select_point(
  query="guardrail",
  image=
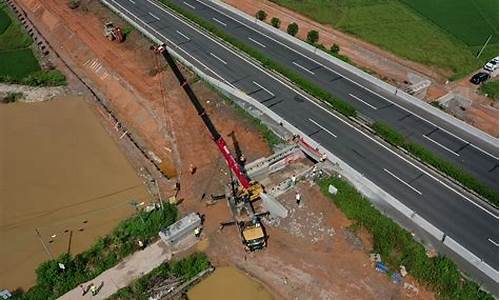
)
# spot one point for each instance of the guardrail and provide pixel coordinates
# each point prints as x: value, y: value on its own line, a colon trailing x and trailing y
x: 384, y: 86
x: 365, y: 186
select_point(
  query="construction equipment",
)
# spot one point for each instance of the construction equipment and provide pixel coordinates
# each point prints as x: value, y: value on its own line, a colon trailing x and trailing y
x: 251, y: 229
x: 112, y: 32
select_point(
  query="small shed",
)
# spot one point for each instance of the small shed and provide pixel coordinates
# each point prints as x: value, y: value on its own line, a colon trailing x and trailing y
x: 180, y: 229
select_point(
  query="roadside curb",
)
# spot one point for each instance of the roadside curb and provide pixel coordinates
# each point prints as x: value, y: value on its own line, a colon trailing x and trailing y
x: 385, y: 87
x: 378, y: 196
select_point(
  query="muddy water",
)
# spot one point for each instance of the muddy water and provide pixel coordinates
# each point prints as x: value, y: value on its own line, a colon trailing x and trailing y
x: 60, y: 174
x: 227, y: 283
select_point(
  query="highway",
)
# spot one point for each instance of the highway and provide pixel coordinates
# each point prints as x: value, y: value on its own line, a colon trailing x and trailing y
x: 478, y: 158
x: 449, y: 210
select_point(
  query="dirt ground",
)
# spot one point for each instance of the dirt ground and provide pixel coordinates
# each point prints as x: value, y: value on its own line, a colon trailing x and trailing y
x: 483, y: 112
x: 334, y: 265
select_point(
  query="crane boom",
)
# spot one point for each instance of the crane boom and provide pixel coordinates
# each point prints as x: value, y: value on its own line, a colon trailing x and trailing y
x: 218, y: 139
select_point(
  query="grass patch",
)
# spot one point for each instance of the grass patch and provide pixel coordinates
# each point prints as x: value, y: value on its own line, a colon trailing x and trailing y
x: 104, y: 254
x: 397, y: 139
x: 397, y: 247
x: 13, y: 36
x: 5, y: 21
x: 344, y: 107
x: 185, y: 268
x: 17, y: 64
x: 446, y: 35
x: 490, y: 89
x: 313, y: 89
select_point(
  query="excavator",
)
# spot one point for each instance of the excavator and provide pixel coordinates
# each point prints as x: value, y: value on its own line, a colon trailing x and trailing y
x: 243, y: 192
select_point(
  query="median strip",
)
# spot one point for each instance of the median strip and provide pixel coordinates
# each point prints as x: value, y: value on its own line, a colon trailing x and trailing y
x: 341, y: 106
x: 398, y: 140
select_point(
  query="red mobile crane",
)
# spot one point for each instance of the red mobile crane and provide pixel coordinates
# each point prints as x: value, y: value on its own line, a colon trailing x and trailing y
x: 251, y: 229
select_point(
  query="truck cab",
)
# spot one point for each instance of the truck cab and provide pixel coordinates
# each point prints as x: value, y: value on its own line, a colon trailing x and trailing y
x: 253, y: 235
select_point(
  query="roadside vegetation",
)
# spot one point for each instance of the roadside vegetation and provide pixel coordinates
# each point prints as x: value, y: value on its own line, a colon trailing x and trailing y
x: 107, y: 251
x: 185, y: 269
x: 490, y: 89
x: 346, y: 108
x: 343, y: 107
x: 397, y: 139
x: 397, y: 246
x: 18, y: 64
x: 447, y: 35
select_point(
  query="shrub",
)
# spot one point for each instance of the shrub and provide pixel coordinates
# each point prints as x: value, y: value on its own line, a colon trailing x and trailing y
x: 185, y: 269
x: 12, y: 97
x: 397, y: 247
x: 276, y: 22
x: 312, y: 37
x: 105, y: 253
x: 45, y: 78
x: 334, y: 49
x: 73, y: 4
x: 261, y: 15
x: 292, y: 29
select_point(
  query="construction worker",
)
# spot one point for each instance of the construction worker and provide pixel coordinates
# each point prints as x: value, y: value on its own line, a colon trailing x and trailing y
x: 192, y: 169
x: 297, y: 198
x: 93, y: 289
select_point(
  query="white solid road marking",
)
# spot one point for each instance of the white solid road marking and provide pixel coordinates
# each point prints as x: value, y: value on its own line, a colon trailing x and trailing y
x: 269, y: 92
x: 189, y: 5
x: 183, y: 35
x: 335, y: 72
x: 303, y: 68
x: 402, y: 181
x: 131, y: 1
x: 363, y: 101
x: 257, y: 42
x: 493, y: 242
x: 154, y: 16
x: 220, y: 22
x: 297, y: 91
x: 442, y: 146
x: 316, y: 123
x: 169, y: 41
x: 220, y: 59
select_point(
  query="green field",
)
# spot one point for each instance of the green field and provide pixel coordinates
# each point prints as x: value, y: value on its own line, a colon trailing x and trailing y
x: 16, y: 58
x: 18, y: 63
x: 445, y: 33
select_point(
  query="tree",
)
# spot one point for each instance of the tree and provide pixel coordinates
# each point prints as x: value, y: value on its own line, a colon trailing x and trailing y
x: 261, y: 15
x: 335, y: 49
x: 312, y: 37
x: 292, y: 29
x: 276, y: 22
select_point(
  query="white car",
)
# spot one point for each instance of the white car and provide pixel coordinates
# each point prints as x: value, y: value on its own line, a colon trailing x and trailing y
x: 492, y: 65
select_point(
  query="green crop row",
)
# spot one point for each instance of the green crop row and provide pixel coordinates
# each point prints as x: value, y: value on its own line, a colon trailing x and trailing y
x: 52, y: 282
x: 397, y: 246
x: 342, y: 107
x: 397, y: 139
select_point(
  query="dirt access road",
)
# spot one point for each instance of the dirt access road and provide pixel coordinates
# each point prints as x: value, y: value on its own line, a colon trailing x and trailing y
x: 482, y: 113
x: 126, y: 75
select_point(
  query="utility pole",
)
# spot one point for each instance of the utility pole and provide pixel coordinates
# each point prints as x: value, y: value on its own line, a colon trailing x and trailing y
x: 159, y: 193
x: 43, y: 244
x: 484, y: 46
x: 136, y: 206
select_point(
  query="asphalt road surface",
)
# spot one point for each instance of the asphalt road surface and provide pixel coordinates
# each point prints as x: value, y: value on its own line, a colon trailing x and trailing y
x: 478, y: 158
x: 449, y: 210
